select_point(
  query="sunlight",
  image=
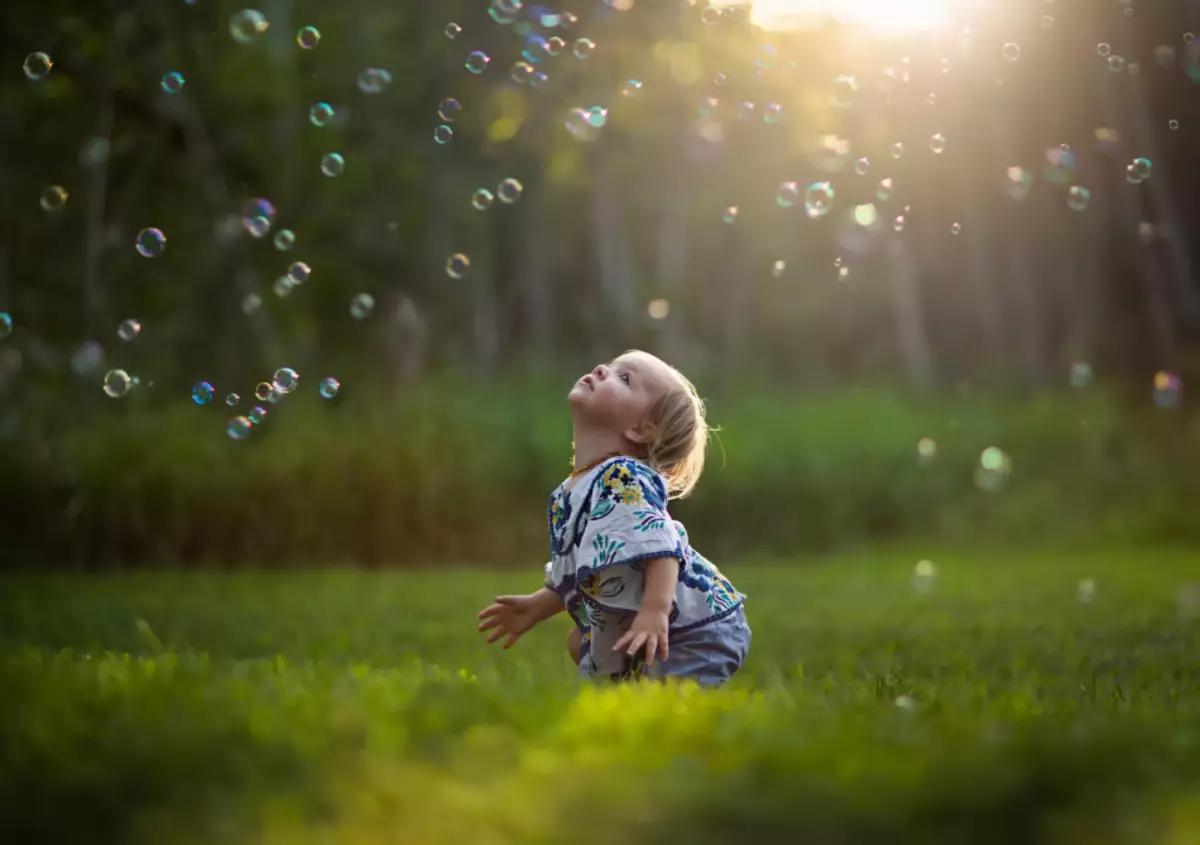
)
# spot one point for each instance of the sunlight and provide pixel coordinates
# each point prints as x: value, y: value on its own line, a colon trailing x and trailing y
x: 883, y: 16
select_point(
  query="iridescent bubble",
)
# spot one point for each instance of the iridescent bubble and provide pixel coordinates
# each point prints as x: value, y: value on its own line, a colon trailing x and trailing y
x: 457, y: 265
x: 955, y: 228
x: 730, y: 214
x: 481, y: 200
x: 117, y: 383
x: 283, y: 286
x: 257, y: 414
x: 1081, y: 374
x: 285, y: 239
x: 53, y: 198
x: 862, y: 167
x: 1168, y: 387
x: 788, y: 194
x: 247, y: 25
x: 449, y: 109
x: 443, y: 134
x: 232, y: 399
x: 597, y: 116
x: 374, y: 80
x: 321, y: 114
x: 452, y: 30
x: 263, y: 390
x: 1103, y: 49
x: 555, y: 45
x: 239, y: 428
x: 746, y: 110
x: 1011, y: 51
x: 129, y: 329
x: 631, y: 89
x: 1139, y: 170
x: 710, y: 15
x: 505, y: 11
x: 578, y: 123
x: 538, y: 80
x: 536, y: 48
x: 1078, y: 198
x: 932, y: 99
x: 361, y: 306
x: 1172, y: 124
x: 818, y: 199
x: 1017, y: 182
x: 478, y: 61
x: 937, y: 143
x: 6, y: 324
x: 202, y: 393
x: 1116, y: 64
x: 719, y: 79
x: 844, y: 91
x: 308, y: 37
x: 883, y: 191
x: 897, y: 149
x: 765, y: 57
x: 329, y: 388
x: 899, y: 223
x: 583, y: 48
x: 332, y: 164
x: 708, y: 105
x: 172, y: 82
x: 299, y: 272
x: 37, y: 65
x: 510, y: 191
x: 150, y: 243
x: 521, y: 72
x: 286, y: 380
x: 251, y: 303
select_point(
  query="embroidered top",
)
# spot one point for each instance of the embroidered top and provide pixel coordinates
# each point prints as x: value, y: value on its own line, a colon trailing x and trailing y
x: 602, y: 528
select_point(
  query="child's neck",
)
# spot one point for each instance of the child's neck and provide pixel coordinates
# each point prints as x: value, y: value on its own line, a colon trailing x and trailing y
x: 594, y: 447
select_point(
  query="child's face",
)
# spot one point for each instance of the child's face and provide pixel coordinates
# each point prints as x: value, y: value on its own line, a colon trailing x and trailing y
x: 616, y: 395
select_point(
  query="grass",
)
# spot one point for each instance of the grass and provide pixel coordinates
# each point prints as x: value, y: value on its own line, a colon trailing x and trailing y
x: 361, y: 707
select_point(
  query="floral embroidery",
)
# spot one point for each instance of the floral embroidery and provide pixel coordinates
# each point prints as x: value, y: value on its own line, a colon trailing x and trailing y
x: 605, y: 550
x: 601, y: 588
x: 649, y: 520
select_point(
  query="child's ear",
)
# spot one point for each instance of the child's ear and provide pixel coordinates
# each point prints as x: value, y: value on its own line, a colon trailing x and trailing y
x: 640, y: 432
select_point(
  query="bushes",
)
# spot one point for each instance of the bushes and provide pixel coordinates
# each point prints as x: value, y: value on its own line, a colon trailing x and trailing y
x: 458, y: 471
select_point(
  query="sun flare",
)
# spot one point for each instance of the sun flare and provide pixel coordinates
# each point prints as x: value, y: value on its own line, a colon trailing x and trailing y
x: 882, y: 16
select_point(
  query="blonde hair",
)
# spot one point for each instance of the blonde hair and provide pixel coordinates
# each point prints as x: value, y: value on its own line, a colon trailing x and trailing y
x: 680, y: 435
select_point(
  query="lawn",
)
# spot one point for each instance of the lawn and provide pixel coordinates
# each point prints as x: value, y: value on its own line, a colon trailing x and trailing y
x: 1050, y: 698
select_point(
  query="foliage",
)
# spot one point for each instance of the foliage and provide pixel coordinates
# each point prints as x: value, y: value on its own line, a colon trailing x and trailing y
x: 362, y: 707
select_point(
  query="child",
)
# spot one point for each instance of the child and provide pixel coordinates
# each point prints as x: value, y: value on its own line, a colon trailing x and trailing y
x: 620, y: 566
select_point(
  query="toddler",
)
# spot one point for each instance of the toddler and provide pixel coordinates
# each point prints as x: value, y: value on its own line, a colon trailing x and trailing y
x: 619, y: 565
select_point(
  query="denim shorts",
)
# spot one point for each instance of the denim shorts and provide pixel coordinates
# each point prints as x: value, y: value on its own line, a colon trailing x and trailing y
x: 709, y: 655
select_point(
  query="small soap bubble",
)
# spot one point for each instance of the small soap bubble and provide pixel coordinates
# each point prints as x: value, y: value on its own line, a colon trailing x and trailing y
x: 510, y: 191
x: 658, y: 309
x: 905, y: 702
x: 285, y: 239
x: 286, y: 380
x: 937, y: 143
x: 258, y: 227
x: 6, y: 324
x: 117, y: 383
x: 481, y: 200
x: 263, y: 390
x: 1139, y: 170
x: 583, y: 47
x: 37, y: 65
x: 320, y: 115
x: 719, y: 79
x: 443, y: 134
x: 926, y: 450
x: 538, y: 80
x: 308, y: 37
x: 202, y: 393
x: 1085, y: 591
x: 172, y: 82
x: 329, y: 388
x: 299, y: 272
x: 150, y: 243
x: 883, y: 191
x: 53, y: 198
x: 844, y: 91
x: 1168, y: 387
x: 478, y: 61
x: 1078, y: 198
x: 631, y: 89
x: 452, y: 31
x: 129, y: 329
x: 332, y: 164
x: 730, y: 214
x: 521, y: 72
x: 710, y: 15
x: 773, y: 113
x: 778, y: 268
x: 995, y: 467
x: 597, y: 116
x: 746, y: 110
x: 1116, y: 64
x: 1011, y: 51
x: 818, y: 199
x: 787, y: 195
x: 924, y: 576
x: 1103, y: 49
x: 897, y: 149
x: 555, y: 45
x: 1172, y: 124
x: 899, y: 223
x: 239, y: 428
x: 232, y: 399
x: 282, y: 286
x: 257, y: 216
x: 374, y: 80
x: 361, y: 306
x: 955, y: 228
x: 862, y: 167
x: 457, y: 265
x: 449, y: 109
x: 245, y: 26
x: 251, y: 303
x: 1017, y: 182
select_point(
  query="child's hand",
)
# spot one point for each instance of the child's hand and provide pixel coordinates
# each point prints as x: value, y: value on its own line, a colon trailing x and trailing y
x: 511, y: 615
x: 649, y: 628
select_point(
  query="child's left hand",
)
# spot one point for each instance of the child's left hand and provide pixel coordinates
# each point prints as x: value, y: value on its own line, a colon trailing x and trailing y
x: 649, y: 629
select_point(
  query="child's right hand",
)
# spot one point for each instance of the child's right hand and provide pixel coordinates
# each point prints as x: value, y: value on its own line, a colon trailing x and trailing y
x: 511, y: 615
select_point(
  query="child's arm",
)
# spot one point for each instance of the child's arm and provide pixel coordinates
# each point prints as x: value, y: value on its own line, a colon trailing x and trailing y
x: 650, y: 626
x: 544, y: 604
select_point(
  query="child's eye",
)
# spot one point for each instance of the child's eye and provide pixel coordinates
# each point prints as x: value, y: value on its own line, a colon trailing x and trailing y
x: 625, y: 377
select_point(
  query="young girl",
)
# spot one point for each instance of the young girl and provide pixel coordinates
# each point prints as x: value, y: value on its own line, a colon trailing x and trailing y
x: 620, y: 566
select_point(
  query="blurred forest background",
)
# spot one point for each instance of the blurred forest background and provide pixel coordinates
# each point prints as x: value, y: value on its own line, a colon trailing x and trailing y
x: 980, y: 331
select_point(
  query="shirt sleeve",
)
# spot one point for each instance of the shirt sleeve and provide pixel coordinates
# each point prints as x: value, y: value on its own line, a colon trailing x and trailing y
x: 627, y: 524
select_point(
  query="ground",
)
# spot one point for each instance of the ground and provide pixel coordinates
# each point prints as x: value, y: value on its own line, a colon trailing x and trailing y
x: 1002, y: 698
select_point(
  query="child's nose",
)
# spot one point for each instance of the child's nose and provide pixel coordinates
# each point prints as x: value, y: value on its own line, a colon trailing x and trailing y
x: 601, y: 372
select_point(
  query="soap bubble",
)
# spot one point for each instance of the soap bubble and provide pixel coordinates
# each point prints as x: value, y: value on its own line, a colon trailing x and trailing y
x: 321, y: 114
x: 818, y: 199
x: 172, y: 82
x: 478, y: 61
x: 457, y: 265
x: 937, y: 143
x: 332, y: 164
x: 257, y: 414
x: 843, y: 91
x: 924, y: 576
x: 329, y: 388
x: 730, y: 214
x: 521, y: 72
x: 583, y: 48
x: 995, y: 467
x: 285, y: 380
x: 1116, y: 64
x: 1139, y: 170
x: 308, y: 37
x: 449, y: 109
x: 283, y: 286
x: 443, y: 134
x: 232, y: 399
x: 37, y: 65
x: 482, y: 199
x: 374, y: 80
x: 788, y: 194
x: 239, y: 428
x: 117, y: 383
x: 202, y: 393
x: 263, y: 390
x: 129, y: 329
x: 299, y: 272
x: 150, y: 243
x: 631, y: 89
x: 285, y: 239
x: 53, y: 198
x: 1078, y: 198
x: 1011, y: 51
x: 361, y: 306
x: 6, y: 324
x: 452, y: 30
x: 862, y: 166
x: 247, y: 25
x: 1168, y: 387
x: 883, y: 191
x: 251, y: 303
x: 955, y: 228
x: 510, y: 191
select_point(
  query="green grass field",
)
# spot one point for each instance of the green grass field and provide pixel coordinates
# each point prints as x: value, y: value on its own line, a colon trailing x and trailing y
x: 362, y: 707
